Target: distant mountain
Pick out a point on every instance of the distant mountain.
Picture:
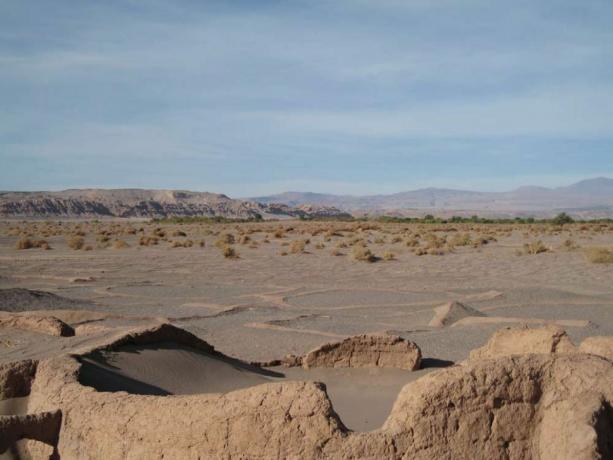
(589, 198)
(93, 203)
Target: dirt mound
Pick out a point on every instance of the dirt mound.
(524, 340)
(451, 312)
(369, 350)
(601, 346)
(19, 300)
(36, 323)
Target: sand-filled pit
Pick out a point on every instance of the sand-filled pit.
(168, 368)
(362, 397)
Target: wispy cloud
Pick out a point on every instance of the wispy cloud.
(297, 88)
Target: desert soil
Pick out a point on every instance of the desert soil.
(264, 305)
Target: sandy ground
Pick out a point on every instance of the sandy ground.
(265, 305)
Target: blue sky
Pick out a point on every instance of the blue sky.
(340, 96)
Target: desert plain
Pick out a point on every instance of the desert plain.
(264, 295)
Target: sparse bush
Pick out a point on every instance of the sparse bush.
(599, 255)
(245, 239)
(388, 255)
(320, 246)
(363, 254)
(562, 219)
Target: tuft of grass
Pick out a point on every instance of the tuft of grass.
(76, 242)
(363, 254)
(120, 244)
(597, 255)
(27, 243)
(148, 240)
(535, 247)
(24, 243)
(569, 245)
(182, 244)
(461, 239)
(229, 252)
(297, 246)
(225, 239)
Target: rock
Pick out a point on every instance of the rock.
(451, 312)
(37, 323)
(370, 350)
(545, 406)
(522, 340)
(16, 378)
(601, 346)
(43, 427)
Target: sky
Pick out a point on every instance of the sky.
(251, 98)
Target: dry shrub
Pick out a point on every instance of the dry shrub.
(159, 233)
(120, 244)
(389, 255)
(283, 253)
(245, 239)
(297, 246)
(396, 239)
(178, 233)
(229, 252)
(420, 251)
(320, 246)
(202, 243)
(535, 247)
(363, 254)
(336, 252)
(88, 248)
(379, 240)
(76, 242)
(279, 233)
(599, 255)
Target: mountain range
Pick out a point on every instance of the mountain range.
(588, 198)
(139, 203)
(591, 198)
